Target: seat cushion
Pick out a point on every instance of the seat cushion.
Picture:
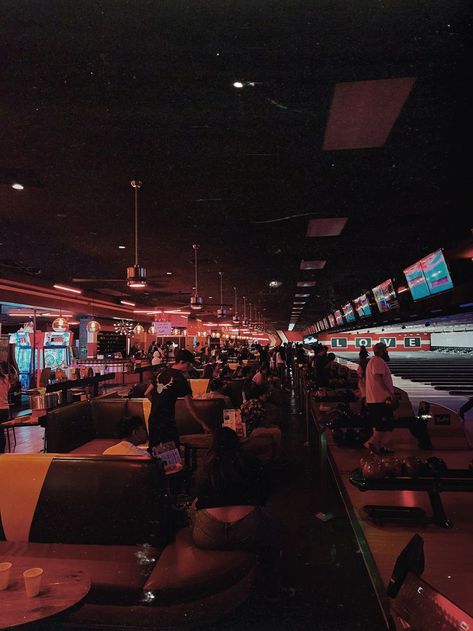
(185, 572)
(199, 441)
(117, 573)
(94, 447)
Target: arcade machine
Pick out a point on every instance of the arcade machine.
(56, 350)
(23, 342)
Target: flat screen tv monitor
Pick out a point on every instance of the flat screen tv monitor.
(362, 306)
(348, 312)
(417, 282)
(385, 296)
(331, 320)
(436, 272)
(338, 317)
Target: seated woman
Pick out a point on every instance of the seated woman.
(228, 511)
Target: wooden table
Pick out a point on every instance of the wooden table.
(62, 586)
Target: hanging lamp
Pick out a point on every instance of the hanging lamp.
(236, 317)
(196, 302)
(92, 325)
(136, 275)
(222, 312)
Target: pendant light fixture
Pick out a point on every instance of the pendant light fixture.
(245, 321)
(222, 312)
(152, 330)
(136, 275)
(60, 324)
(139, 329)
(197, 302)
(92, 325)
(236, 317)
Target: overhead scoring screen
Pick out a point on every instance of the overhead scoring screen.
(348, 312)
(417, 281)
(362, 306)
(338, 317)
(428, 276)
(385, 296)
(436, 272)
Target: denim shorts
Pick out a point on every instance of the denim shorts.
(255, 531)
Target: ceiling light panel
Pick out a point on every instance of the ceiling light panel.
(363, 113)
(313, 264)
(327, 227)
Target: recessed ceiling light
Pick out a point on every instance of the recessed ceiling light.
(307, 283)
(238, 84)
(299, 302)
(211, 297)
(327, 227)
(275, 283)
(301, 295)
(313, 264)
(17, 186)
(168, 273)
(121, 247)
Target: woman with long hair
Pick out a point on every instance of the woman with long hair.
(4, 404)
(228, 512)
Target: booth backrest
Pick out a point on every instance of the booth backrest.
(106, 413)
(97, 500)
(69, 427)
(209, 410)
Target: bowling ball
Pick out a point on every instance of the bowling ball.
(374, 469)
(436, 465)
(393, 465)
(412, 466)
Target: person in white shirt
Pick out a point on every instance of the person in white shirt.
(132, 432)
(379, 400)
(216, 388)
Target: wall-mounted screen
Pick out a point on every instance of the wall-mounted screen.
(417, 281)
(338, 317)
(385, 296)
(331, 320)
(436, 272)
(362, 306)
(348, 312)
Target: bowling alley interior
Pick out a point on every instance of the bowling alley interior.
(236, 316)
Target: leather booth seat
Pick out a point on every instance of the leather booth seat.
(89, 427)
(109, 516)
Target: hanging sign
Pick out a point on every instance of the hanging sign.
(163, 328)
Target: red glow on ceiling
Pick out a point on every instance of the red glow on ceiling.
(363, 113)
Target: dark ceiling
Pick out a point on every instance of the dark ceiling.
(96, 93)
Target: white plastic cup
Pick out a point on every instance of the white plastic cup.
(4, 575)
(32, 579)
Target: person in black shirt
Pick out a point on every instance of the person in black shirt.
(228, 512)
(167, 386)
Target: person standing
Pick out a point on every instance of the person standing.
(379, 400)
(4, 404)
(167, 386)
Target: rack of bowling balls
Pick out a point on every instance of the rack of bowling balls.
(410, 473)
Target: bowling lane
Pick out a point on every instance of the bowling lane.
(421, 391)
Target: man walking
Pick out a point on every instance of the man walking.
(379, 400)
